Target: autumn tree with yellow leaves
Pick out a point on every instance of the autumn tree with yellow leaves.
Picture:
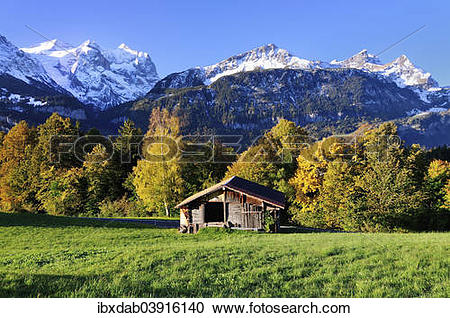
(375, 184)
(157, 176)
(272, 160)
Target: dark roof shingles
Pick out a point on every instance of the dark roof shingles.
(245, 186)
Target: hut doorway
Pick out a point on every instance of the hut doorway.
(214, 212)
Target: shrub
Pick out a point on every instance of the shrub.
(269, 221)
(121, 208)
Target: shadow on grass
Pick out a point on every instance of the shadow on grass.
(42, 220)
(50, 221)
(43, 285)
(47, 285)
(292, 229)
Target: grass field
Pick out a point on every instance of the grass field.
(44, 256)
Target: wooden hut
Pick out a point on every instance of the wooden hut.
(233, 203)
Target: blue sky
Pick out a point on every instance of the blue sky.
(182, 34)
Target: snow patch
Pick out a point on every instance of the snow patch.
(436, 110)
(34, 102)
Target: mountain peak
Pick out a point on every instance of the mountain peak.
(125, 48)
(270, 46)
(358, 60)
(408, 74)
(403, 59)
(87, 42)
(22, 66)
(268, 56)
(364, 52)
(263, 51)
(48, 46)
(87, 45)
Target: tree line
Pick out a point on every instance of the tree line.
(365, 181)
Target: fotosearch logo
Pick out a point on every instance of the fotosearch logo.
(216, 148)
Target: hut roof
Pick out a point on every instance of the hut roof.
(244, 186)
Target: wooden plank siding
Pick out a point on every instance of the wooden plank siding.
(235, 215)
(252, 216)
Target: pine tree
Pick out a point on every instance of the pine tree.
(126, 152)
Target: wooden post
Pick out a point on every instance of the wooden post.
(277, 220)
(244, 211)
(224, 205)
(264, 207)
(201, 214)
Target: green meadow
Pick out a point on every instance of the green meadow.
(48, 256)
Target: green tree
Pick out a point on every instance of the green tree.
(56, 138)
(63, 191)
(107, 170)
(102, 178)
(390, 180)
(312, 178)
(200, 172)
(126, 155)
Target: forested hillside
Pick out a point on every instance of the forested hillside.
(331, 101)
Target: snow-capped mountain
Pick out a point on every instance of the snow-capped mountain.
(328, 100)
(96, 76)
(28, 92)
(15, 63)
(264, 57)
(361, 60)
(247, 93)
(402, 71)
